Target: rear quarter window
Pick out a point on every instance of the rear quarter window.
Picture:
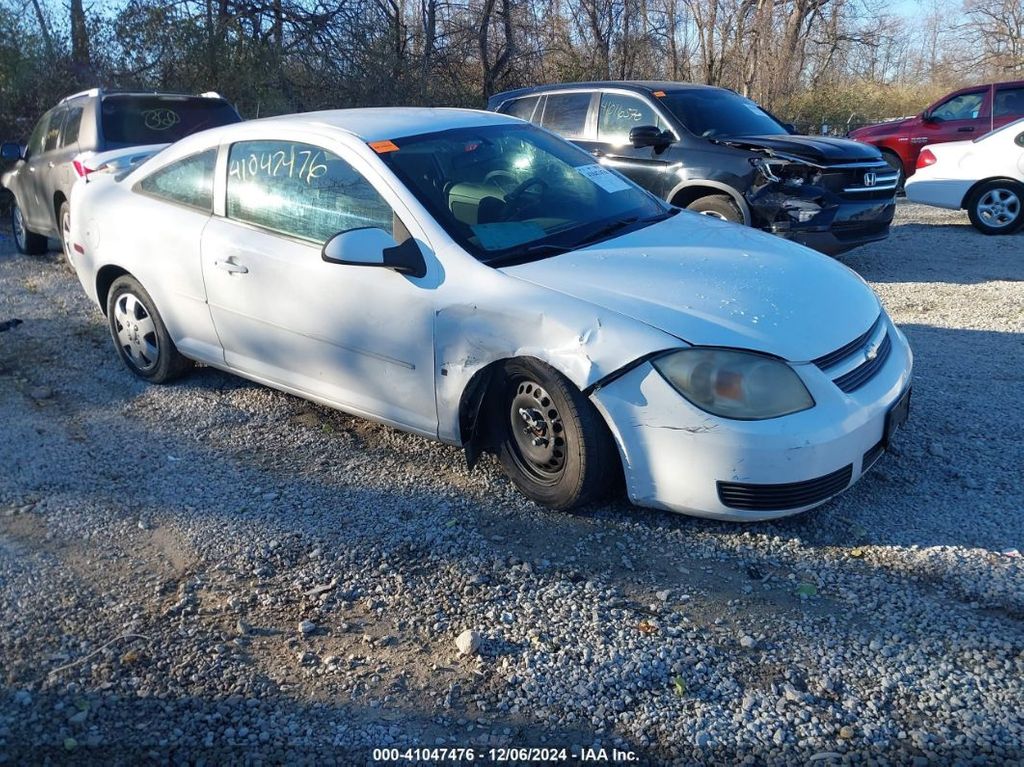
(521, 108)
(188, 181)
(566, 114)
(137, 120)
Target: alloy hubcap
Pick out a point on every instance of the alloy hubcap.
(65, 230)
(999, 208)
(538, 431)
(136, 332)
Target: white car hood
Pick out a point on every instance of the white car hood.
(712, 283)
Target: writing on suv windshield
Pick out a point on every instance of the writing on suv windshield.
(720, 114)
(509, 193)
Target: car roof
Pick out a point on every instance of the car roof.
(641, 86)
(379, 123)
(366, 125)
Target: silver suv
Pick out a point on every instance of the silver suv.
(76, 136)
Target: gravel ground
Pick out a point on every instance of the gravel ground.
(214, 572)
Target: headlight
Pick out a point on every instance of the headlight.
(734, 384)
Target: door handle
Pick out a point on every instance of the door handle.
(965, 129)
(231, 267)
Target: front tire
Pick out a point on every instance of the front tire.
(28, 242)
(718, 206)
(139, 334)
(997, 207)
(554, 445)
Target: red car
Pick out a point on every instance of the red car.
(961, 115)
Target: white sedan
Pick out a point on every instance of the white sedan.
(984, 176)
(469, 277)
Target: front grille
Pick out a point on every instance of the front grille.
(792, 495)
(859, 376)
(851, 182)
(873, 349)
(840, 354)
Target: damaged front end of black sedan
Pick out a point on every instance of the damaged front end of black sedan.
(828, 207)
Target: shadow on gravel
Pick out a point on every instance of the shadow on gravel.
(75, 726)
(956, 254)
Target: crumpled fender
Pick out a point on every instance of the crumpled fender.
(512, 318)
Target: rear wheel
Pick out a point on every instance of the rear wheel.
(717, 206)
(27, 241)
(554, 445)
(64, 217)
(139, 334)
(995, 207)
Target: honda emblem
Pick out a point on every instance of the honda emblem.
(869, 178)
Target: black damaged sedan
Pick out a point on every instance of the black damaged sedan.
(715, 152)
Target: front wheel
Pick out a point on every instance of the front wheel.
(554, 445)
(717, 206)
(27, 241)
(995, 207)
(141, 338)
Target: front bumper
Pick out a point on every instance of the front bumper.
(841, 227)
(675, 456)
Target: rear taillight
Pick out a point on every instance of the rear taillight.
(82, 169)
(925, 159)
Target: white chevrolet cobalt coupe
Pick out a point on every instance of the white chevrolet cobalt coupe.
(469, 277)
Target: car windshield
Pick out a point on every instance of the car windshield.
(136, 120)
(713, 113)
(514, 193)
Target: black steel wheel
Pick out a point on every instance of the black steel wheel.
(554, 445)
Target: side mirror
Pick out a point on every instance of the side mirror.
(371, 246)
(649, 135)
(11, 150)
(928, 117)
(790, 128)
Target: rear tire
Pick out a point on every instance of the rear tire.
(28, 242)
(139, 334)
(553, 444)
(718, 206)
(64, 228)
(997, 207)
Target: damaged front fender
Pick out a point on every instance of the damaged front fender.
(583, 342)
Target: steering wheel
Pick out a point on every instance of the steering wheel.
(512, 199)
(503, 179)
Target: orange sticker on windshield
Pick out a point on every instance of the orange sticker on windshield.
(381, 147)
(658, 94)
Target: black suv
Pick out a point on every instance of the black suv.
(713, 151)
(82, 132)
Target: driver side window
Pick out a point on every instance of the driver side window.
(966, 106)
(35, 141)
(620, 113)
(301, 191)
